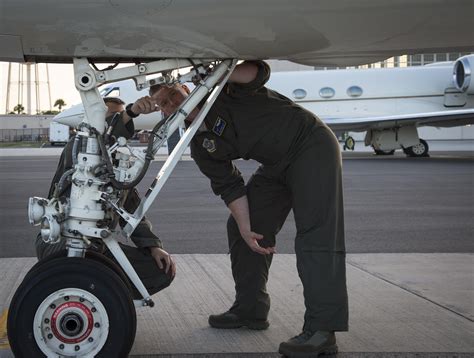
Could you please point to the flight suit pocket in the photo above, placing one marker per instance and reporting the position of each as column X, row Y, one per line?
column 216, row 147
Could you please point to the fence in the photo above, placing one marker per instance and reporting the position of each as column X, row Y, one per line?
column 24, row 135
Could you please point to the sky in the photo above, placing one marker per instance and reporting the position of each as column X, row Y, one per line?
column 61, row 79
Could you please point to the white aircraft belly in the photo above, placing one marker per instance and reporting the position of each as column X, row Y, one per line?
column 311, row 32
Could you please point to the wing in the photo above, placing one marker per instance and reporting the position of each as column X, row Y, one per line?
column 448, row 118
column 336, row 32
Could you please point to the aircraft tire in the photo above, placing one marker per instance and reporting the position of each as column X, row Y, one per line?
column 384, row 152
column 419, row 150
column 90, row 254
column 71, row 307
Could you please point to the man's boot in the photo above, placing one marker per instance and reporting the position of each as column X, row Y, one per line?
column 309, row 344
column 231, row 320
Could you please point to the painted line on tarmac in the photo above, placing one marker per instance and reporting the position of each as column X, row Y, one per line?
column 3, row 331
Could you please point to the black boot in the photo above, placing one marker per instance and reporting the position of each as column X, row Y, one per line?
column 309, row 344
column 231, row 320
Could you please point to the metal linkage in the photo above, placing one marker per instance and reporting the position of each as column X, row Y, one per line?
column 97, row 185
column 87, row 80
column 214, row 82
column 119, row 255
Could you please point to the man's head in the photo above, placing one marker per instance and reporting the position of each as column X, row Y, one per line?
column 169, row 98
column 114, row 105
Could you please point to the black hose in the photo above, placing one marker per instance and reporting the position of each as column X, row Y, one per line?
column 110, row 169
column 77, row 138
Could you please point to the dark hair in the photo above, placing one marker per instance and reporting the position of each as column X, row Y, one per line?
column 113, row 100
column 153, row 89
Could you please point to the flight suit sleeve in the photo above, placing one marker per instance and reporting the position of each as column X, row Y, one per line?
column 226, row 179
column 263, row 74
column 65, row 163
column 121, row 129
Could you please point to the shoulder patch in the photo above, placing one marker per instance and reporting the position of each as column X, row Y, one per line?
column 209, row 145
column 219, row 126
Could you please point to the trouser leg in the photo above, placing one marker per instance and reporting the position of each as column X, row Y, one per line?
column 154, row 278
column 315, row 179
column 269, row 205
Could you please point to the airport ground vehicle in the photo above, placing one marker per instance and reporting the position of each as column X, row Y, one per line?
column 58, row 133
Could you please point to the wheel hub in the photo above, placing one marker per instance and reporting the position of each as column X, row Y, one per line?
column 71, row 322
column 67, row 322
column 418, row 149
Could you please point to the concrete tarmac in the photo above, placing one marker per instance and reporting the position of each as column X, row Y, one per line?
column 401, row 305
column 410, row 265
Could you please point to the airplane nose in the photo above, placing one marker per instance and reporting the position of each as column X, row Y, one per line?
column 71, row 117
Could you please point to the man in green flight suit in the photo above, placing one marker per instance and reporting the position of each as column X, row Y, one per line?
column 153, row 264
column 300, row 170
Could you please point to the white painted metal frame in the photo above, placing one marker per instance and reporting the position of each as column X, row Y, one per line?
column 87, row 81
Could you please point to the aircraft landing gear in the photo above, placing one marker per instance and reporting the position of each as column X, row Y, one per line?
column 349, row 143
column 81, row 305
column 383, row 152
column 72, row 306
column 418, row 150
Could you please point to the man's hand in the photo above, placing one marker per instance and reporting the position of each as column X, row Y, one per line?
column 252, row 238
column 163, row 260
column 144, row 105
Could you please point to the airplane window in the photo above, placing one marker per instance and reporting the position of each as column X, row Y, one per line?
column 354, row 91
column 299, row 93
column 110, row 92
column 327, row 92
column 104, row 91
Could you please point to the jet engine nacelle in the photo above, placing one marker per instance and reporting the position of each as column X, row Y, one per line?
column 463, row 74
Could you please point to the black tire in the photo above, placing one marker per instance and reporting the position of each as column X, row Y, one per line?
column 92, row 255
column 419, row 150
column 383, row 152
column 73, row 275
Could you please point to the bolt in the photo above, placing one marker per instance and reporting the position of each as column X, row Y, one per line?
column 52, row 306
column 90, row 339
column 76, row 348
column 50, row 336
column 93, row 309
column 104, row 234
column 46, row 320
column 81, row 299
column 84, row 159
column 61, row 346
column 66, row 298
column 97, row 325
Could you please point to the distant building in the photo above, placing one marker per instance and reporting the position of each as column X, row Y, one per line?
column 22, row 127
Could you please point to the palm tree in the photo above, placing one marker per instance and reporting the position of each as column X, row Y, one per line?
column 19, row 108
column 59, row 103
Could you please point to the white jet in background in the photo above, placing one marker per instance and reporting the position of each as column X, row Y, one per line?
column 388, row 104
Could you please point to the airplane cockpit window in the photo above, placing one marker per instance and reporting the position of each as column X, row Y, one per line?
column 299, row 93
column 354, row 91
column 110, row 92
column 327, row 92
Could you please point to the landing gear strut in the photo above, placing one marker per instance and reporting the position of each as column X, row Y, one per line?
column 77, row 306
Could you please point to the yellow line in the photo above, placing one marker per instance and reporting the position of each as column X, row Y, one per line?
column 3, row 331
